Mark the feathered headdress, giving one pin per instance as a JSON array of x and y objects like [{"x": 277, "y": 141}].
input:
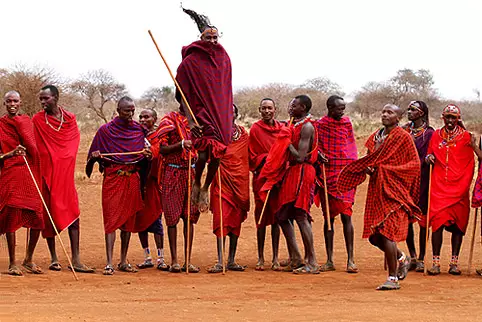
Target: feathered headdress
[{"x": 201, "y": 21}]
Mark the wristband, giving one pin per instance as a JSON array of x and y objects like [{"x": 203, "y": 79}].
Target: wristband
[{"x": 182, "y": 144}]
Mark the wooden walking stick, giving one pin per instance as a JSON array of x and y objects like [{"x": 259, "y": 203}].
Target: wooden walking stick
[
  {"x": 174, "y": 79},
  {"x": 471, "y": 254},
  {"x": 269, "y": 191},
  {"x": 188, "y": 240},
  {"x": 221, "y": 220},
  {"x": 50, "y": 217},
  {"x": 28, "y": 240},
  {"x": 327, "y": 204},
  {"x": 425, "y": 269}
]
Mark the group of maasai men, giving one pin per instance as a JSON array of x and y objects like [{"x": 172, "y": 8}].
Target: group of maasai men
[{"x": 153, "y": 168}]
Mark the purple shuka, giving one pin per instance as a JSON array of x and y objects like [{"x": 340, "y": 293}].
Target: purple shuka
[{"x": 421, "y": 143}]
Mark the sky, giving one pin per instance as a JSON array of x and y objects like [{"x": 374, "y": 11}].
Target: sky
[{"x": 351, "y": 42}]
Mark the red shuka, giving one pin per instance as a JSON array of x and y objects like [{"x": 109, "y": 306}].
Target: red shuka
[
  {"x": 451, "y": 177},
  {"x": 393, "y": 189},
  {"x": 234, "y": 169},
  {"x": 152, "y": 191},
  {"x": 205, "y": 78},
  {"x": 261, "y": 138},
  {"x": 58, "y": 154},
  {"x": 298, "y": 184},
  {"x": 17, "y": 189}
]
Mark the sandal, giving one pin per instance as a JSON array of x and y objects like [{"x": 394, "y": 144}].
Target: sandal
[
  {"x": 146, "y": 264},
  {"x": 259, "y": 267},
  {"x": 284, "y": 262},
  {"x": 306, "y": 269},
  {"x": 192, "y": 268},
  {"x": 479, "y": 271},
  {"x": 434, "y": 270},
  {"x": 162, "y": 266},
  {"x": 403, "y": 268},
  {"x": 236, "y": 267},
  {"x": 328, "y": 267},
  {"x": 176, "y": 268},
  {"x": 290, "y": 268},
  {"x": 14, "y": 271},
  {"x": 32, "y": 268},
  {"x": 55, "y": 266},
  {"x": 276, "y": 267},
  {"x": 420, "y": 267},
  {"x": 351, "y": 268},
  {"x": 217, "y": 268},
  {"x": 109, "y": 270},
  {"x": 126, "y": 268},
  {"x": 83, "y": 269},
  {"x": 389, "y": 286},
  {"x": 413, "y": 264},
  {"x": 454, "y": 269}
]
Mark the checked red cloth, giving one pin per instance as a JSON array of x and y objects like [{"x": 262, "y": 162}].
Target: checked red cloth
[{"x": 392, "y": 188}]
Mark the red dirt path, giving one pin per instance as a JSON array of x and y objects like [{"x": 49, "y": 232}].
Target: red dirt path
[{"x": 246, "y": 296}]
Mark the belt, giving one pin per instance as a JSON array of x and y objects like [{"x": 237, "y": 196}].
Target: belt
[{"x": 177, "y": 166}]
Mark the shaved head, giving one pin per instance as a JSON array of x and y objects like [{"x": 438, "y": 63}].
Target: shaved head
[
  {"x": 11, "y": 93},
  {"x": 394, "y": 108},
  {"x": 391, "y": 115}
]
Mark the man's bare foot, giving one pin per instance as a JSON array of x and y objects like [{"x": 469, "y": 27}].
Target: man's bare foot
[
  {"x": 195, "y": 193},
  {"x": 14, "y": 271},
  {"x": 203, "y": 203}
]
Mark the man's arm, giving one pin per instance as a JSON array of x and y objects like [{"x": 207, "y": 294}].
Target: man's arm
[
  {"x": 304, "y": 145},
  {"x": 176, "y": 147},
  {"x": 196, "y": 130}
]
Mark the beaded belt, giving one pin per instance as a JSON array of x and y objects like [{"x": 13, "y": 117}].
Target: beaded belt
[{"x": 177, "y": 166}]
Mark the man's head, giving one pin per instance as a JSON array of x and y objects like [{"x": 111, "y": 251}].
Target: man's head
[
  {"x": 391, "y": 115},
  {"x": 126, "y": 108},
  {"x": 417, "y": 110},
  {"x": 208, "y": 32},
  {"x": 300, "y": 106},
  {"x": 235, "y": 112},
  {"x": 336, "y": 107},
  {"x": 451, "y": 115},
  {"x": 267, "y": 109},
  {"x": 148, "y": 118},
  {"x": 49, "y": 97},
  {"x": 12, "y": 102}
]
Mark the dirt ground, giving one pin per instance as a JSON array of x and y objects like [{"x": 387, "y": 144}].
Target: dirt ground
[{"x": 237, "y": 296}]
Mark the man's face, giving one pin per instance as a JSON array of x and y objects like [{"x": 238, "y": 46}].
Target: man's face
[
  {"x": 450, "y": 121},
  {"x": 12, "y": 103},
  {"x": 267, "y": 110},
  {"x": 414, "y": 112},
  {"x": 210, "y": 35},
  {"x": 147, "y": 119},
  {"x": 337, "y": 110},
  {"x": 48, "y": 100},
  {"x": 296, "y": 109},
  {"x": 126, "y": 110},
  {"x": 390, "y": 116}
]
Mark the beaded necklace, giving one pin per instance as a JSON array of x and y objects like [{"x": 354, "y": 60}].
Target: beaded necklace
[
  {"x": 303, "y": 120},
  {"x": 61, "y": 121},
  {"x": 417, "y": 132},
  {"x": 237, "y": 133}
]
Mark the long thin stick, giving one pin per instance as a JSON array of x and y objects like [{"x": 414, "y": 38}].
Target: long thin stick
[
  {"x": 267, "y": 195},
  {"x": 221, "y": 220},
  {"x": 28, "y": 241},
  {"x": 188, "y": 240},
  {"x": 173, "y": 78},
  {"x": 471, "y": 254},
  {"x": 327, "y": 204},
  {"x": 425, "y": 263},
  {"x": 122, "y": 153},
  {"x": 50, "y": 217}
]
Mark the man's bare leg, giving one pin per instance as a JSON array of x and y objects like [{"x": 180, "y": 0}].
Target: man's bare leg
[
  {"x": 293, "y": 250},
  {"x": 233, "y": 244},
  {"x": 349, "y": 233},
  {"x": 329, "y": 236},
  {"x": 172, "y": 236},
  {"x": 125, "y": 238},
  {"x": 109, "y": 247},
  {"x": 11, "y": 241},
  {"x": 275, "y": 234},
  {"x": 260, "y": 237},
  {"x": 308, "y": 243},
  {"x": 204, "y": 193},
  {"x": 74, "y": 235},
  {"x": 54, "y": 260},
  {"x": 199, "y": 169},
  {"x": 32, "y": 243}
]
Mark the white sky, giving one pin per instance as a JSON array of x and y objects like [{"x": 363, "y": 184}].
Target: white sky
[{"x": 349, "y": 41}]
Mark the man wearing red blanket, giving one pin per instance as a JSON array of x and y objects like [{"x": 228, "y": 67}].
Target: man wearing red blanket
[
  {"x": 451, "y": 152},
  {"x": 336, "y": 141},
  {"x": 204, "y": 76},
  {"x": 234, "y": 170},
  {"x": 121, "y": 187},
  {"x": 262, "y": 136},
  {"x": 394, "y": 168},
  {"x": 20, "y": 203},
  {"x": 58, "y": 138}
]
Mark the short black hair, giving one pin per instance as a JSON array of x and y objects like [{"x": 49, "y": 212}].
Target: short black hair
[
  {"x": 305, "y": 100},
  {"x": 124, "y": 98},
  {"x": 53, "y": 89},
  {"x": 236, "y": 110},
  {"x": 267, "y": 99},
  {"x": 332, "y": 99}
]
